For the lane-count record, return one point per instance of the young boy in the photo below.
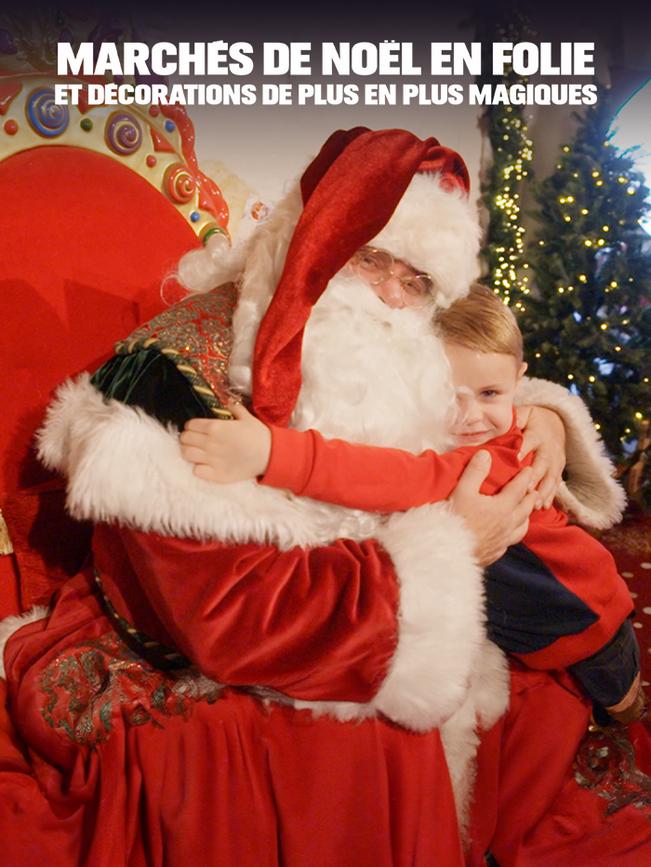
(555, 600)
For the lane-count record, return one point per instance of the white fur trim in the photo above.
(487, 700)
(12, 624)
(591, 494)
(444, 672)
(440, 616)
(217, 262)
(124, 466)
(436, 231)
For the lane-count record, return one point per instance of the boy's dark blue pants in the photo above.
(528, 608)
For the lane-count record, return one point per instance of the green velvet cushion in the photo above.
(147, 379)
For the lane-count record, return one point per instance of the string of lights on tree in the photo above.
(506, 268)
(588, 323)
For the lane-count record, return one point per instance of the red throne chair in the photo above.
(98, 204)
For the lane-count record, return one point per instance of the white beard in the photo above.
(373, 374)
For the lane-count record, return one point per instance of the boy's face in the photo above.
(485, 384)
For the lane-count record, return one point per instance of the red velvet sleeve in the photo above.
(358, 476)
(316, 624)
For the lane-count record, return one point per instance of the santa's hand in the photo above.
(498, 521)
(227, 451)
(544, 434)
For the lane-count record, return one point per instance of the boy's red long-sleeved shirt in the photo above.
(582, 586)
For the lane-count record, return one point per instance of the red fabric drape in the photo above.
(81, 264)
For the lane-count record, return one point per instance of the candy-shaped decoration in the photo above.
(123, 133)
(45, 116)
(179, 183)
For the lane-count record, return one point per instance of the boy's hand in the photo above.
(227, 451)
(544, 434)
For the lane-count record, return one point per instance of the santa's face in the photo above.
(373, 373)
(395, 282)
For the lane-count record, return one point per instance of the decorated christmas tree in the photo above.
(588, 324)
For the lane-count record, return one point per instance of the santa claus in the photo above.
(244, 676)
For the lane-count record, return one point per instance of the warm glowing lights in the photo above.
(506, 212)
(577, 284)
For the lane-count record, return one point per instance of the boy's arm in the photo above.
(358, 476)
(361, 477)
(495, 521)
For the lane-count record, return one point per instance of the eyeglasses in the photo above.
(378, 266)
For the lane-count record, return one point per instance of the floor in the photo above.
(630, 544)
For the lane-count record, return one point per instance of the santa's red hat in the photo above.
(388, 188)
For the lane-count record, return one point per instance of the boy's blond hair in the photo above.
(480, 321)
